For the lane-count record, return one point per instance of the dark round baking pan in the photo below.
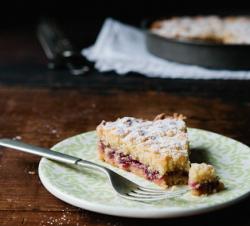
(201, 53)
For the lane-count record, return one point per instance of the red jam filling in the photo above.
(126, 161)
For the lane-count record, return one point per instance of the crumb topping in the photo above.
(161, 135)
(201, 173)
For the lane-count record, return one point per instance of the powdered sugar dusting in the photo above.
(161, 136)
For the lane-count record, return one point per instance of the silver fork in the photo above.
(122, 186)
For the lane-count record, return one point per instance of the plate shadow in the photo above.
(199, 155)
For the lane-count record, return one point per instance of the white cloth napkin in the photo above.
(122, 48)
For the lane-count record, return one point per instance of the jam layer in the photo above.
(126, 162)
(206, 188)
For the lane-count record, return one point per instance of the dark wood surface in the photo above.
(43, 107)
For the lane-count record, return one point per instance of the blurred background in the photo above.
(86, 17)
(22, 56)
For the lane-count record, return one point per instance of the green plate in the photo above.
(90, 190)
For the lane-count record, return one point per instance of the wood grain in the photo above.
(43, 117)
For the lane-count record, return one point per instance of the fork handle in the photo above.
(53, 155)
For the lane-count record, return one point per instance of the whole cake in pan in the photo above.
(224, 30)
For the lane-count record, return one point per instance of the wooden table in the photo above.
(43, 107)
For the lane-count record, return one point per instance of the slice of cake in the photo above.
(156, 150)
(203, 179)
